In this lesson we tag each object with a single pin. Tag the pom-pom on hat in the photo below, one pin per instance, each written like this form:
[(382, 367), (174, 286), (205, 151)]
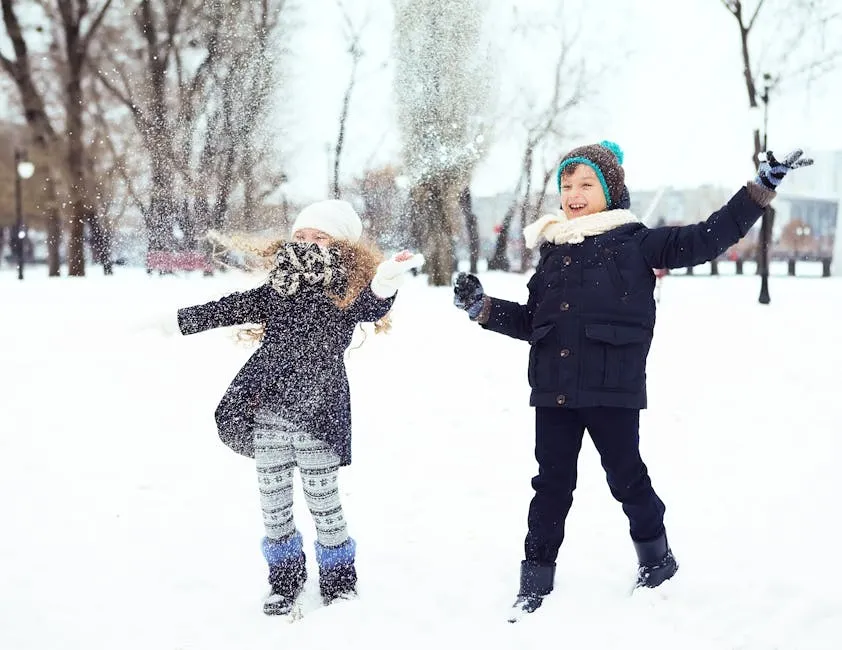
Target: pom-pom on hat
[(333, 217), (606, 159)]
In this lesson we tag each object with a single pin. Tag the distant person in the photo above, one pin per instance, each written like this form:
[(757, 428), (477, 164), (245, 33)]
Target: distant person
[(589, 320), (290, 405)]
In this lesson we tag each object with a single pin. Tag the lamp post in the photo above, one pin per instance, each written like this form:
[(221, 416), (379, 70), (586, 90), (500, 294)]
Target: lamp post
[(23, 170), (768, 211)]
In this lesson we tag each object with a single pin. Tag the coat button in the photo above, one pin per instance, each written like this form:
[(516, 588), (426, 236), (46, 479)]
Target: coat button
[(565, 306), (561, 399), (567, 260), (564, 353)]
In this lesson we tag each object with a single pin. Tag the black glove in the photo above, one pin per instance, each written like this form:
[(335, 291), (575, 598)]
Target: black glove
[(468, 294), (771, 172)]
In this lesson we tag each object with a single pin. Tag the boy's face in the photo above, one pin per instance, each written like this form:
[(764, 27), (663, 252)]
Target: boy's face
[(581, 192)]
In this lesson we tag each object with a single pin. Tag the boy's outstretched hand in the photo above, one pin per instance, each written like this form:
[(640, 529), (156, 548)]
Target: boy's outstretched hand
[(771, 172), (468, 294)]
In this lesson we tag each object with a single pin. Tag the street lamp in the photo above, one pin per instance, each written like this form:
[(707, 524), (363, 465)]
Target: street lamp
[(766, 221), (23, 170)]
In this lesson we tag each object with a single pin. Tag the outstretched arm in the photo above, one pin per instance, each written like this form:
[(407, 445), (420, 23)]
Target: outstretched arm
[(495, 314), (377, 299), (369, 308), (690, 245), (673, 247), (234, 309)]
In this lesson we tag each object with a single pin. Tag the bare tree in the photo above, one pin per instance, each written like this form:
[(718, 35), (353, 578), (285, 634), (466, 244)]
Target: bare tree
[(44, 136), (442, 87), (73, 41), (140, 75), (472, 227), (543, 122), (795, 52), (378, 189), (197, 79), (353, 36)]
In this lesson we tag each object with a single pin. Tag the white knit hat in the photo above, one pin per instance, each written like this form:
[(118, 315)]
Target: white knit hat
[(333, 217)]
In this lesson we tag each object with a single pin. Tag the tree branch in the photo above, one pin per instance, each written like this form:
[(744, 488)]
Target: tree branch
[(16, 36), (755, 14), (86, 40)]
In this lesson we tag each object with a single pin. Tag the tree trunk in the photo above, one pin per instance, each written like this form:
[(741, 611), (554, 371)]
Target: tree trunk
[(53, 229), (431, 198), (500, 260), (100, 243), (466, 205), (249, 190), (525, 253)]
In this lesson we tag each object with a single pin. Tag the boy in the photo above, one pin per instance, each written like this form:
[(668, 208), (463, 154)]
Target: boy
[(589, 320)]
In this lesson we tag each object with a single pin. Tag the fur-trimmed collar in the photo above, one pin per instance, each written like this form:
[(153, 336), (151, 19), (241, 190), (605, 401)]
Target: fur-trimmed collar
[(558, 229)]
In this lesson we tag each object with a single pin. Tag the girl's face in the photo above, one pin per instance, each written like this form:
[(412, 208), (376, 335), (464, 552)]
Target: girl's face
[(581, 192), (312, 236)]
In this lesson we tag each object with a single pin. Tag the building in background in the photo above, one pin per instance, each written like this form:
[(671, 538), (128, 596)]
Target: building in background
[(809, 212)]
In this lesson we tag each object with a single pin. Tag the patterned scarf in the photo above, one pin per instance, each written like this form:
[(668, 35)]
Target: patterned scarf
[(558, 229), (300, 265)]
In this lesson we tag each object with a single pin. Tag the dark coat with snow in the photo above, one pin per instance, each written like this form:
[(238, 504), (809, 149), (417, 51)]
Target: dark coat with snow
[(590, 314), (299, 368)]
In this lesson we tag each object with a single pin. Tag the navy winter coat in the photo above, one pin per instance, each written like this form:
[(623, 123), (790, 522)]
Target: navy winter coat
[(591, 312), (299, 368)]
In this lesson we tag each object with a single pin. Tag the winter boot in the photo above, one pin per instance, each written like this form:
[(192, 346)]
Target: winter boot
[(656, 563), (536, 581), (337, 575), (287, 573)]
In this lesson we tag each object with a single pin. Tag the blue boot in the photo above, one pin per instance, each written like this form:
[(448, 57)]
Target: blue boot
[(287, 573), (337, 574), (656, 563)]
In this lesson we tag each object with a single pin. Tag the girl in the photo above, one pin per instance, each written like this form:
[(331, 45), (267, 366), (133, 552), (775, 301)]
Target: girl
[(290, 405), (589, 320)]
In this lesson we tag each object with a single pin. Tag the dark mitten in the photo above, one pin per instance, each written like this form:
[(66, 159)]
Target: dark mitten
[(771, 172), (468, 294)]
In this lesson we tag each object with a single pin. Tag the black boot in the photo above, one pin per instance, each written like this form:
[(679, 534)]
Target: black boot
[(337, 574), (656, 563), (337, 582), (536, 581), (286, 581)]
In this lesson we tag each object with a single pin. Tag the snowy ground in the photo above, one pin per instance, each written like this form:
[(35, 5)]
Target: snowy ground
[(126, 524)]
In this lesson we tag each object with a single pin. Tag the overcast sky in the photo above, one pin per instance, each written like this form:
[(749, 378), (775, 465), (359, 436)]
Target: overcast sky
[(676, 100)]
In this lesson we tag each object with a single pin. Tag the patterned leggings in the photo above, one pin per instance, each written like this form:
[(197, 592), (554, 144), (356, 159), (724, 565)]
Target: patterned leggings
[(278, 448)]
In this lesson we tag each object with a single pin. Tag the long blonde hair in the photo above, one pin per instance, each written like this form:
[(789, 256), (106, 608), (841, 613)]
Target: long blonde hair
[(360, 260)]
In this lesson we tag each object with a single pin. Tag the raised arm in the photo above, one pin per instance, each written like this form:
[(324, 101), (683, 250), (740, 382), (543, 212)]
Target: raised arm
[(377, 299), (672, 247), (690, 245), (234, 309)]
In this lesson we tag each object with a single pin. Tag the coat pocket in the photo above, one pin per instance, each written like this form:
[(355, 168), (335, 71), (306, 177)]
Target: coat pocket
[(614, 356), (538, 361)]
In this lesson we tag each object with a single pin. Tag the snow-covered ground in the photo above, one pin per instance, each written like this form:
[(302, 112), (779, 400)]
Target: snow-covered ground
[(127, 524)]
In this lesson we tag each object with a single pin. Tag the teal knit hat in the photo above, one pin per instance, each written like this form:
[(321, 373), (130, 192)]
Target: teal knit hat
[(606, 159)]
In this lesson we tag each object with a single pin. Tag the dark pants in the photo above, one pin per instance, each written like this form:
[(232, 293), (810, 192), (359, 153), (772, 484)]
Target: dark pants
[(558, 439)]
